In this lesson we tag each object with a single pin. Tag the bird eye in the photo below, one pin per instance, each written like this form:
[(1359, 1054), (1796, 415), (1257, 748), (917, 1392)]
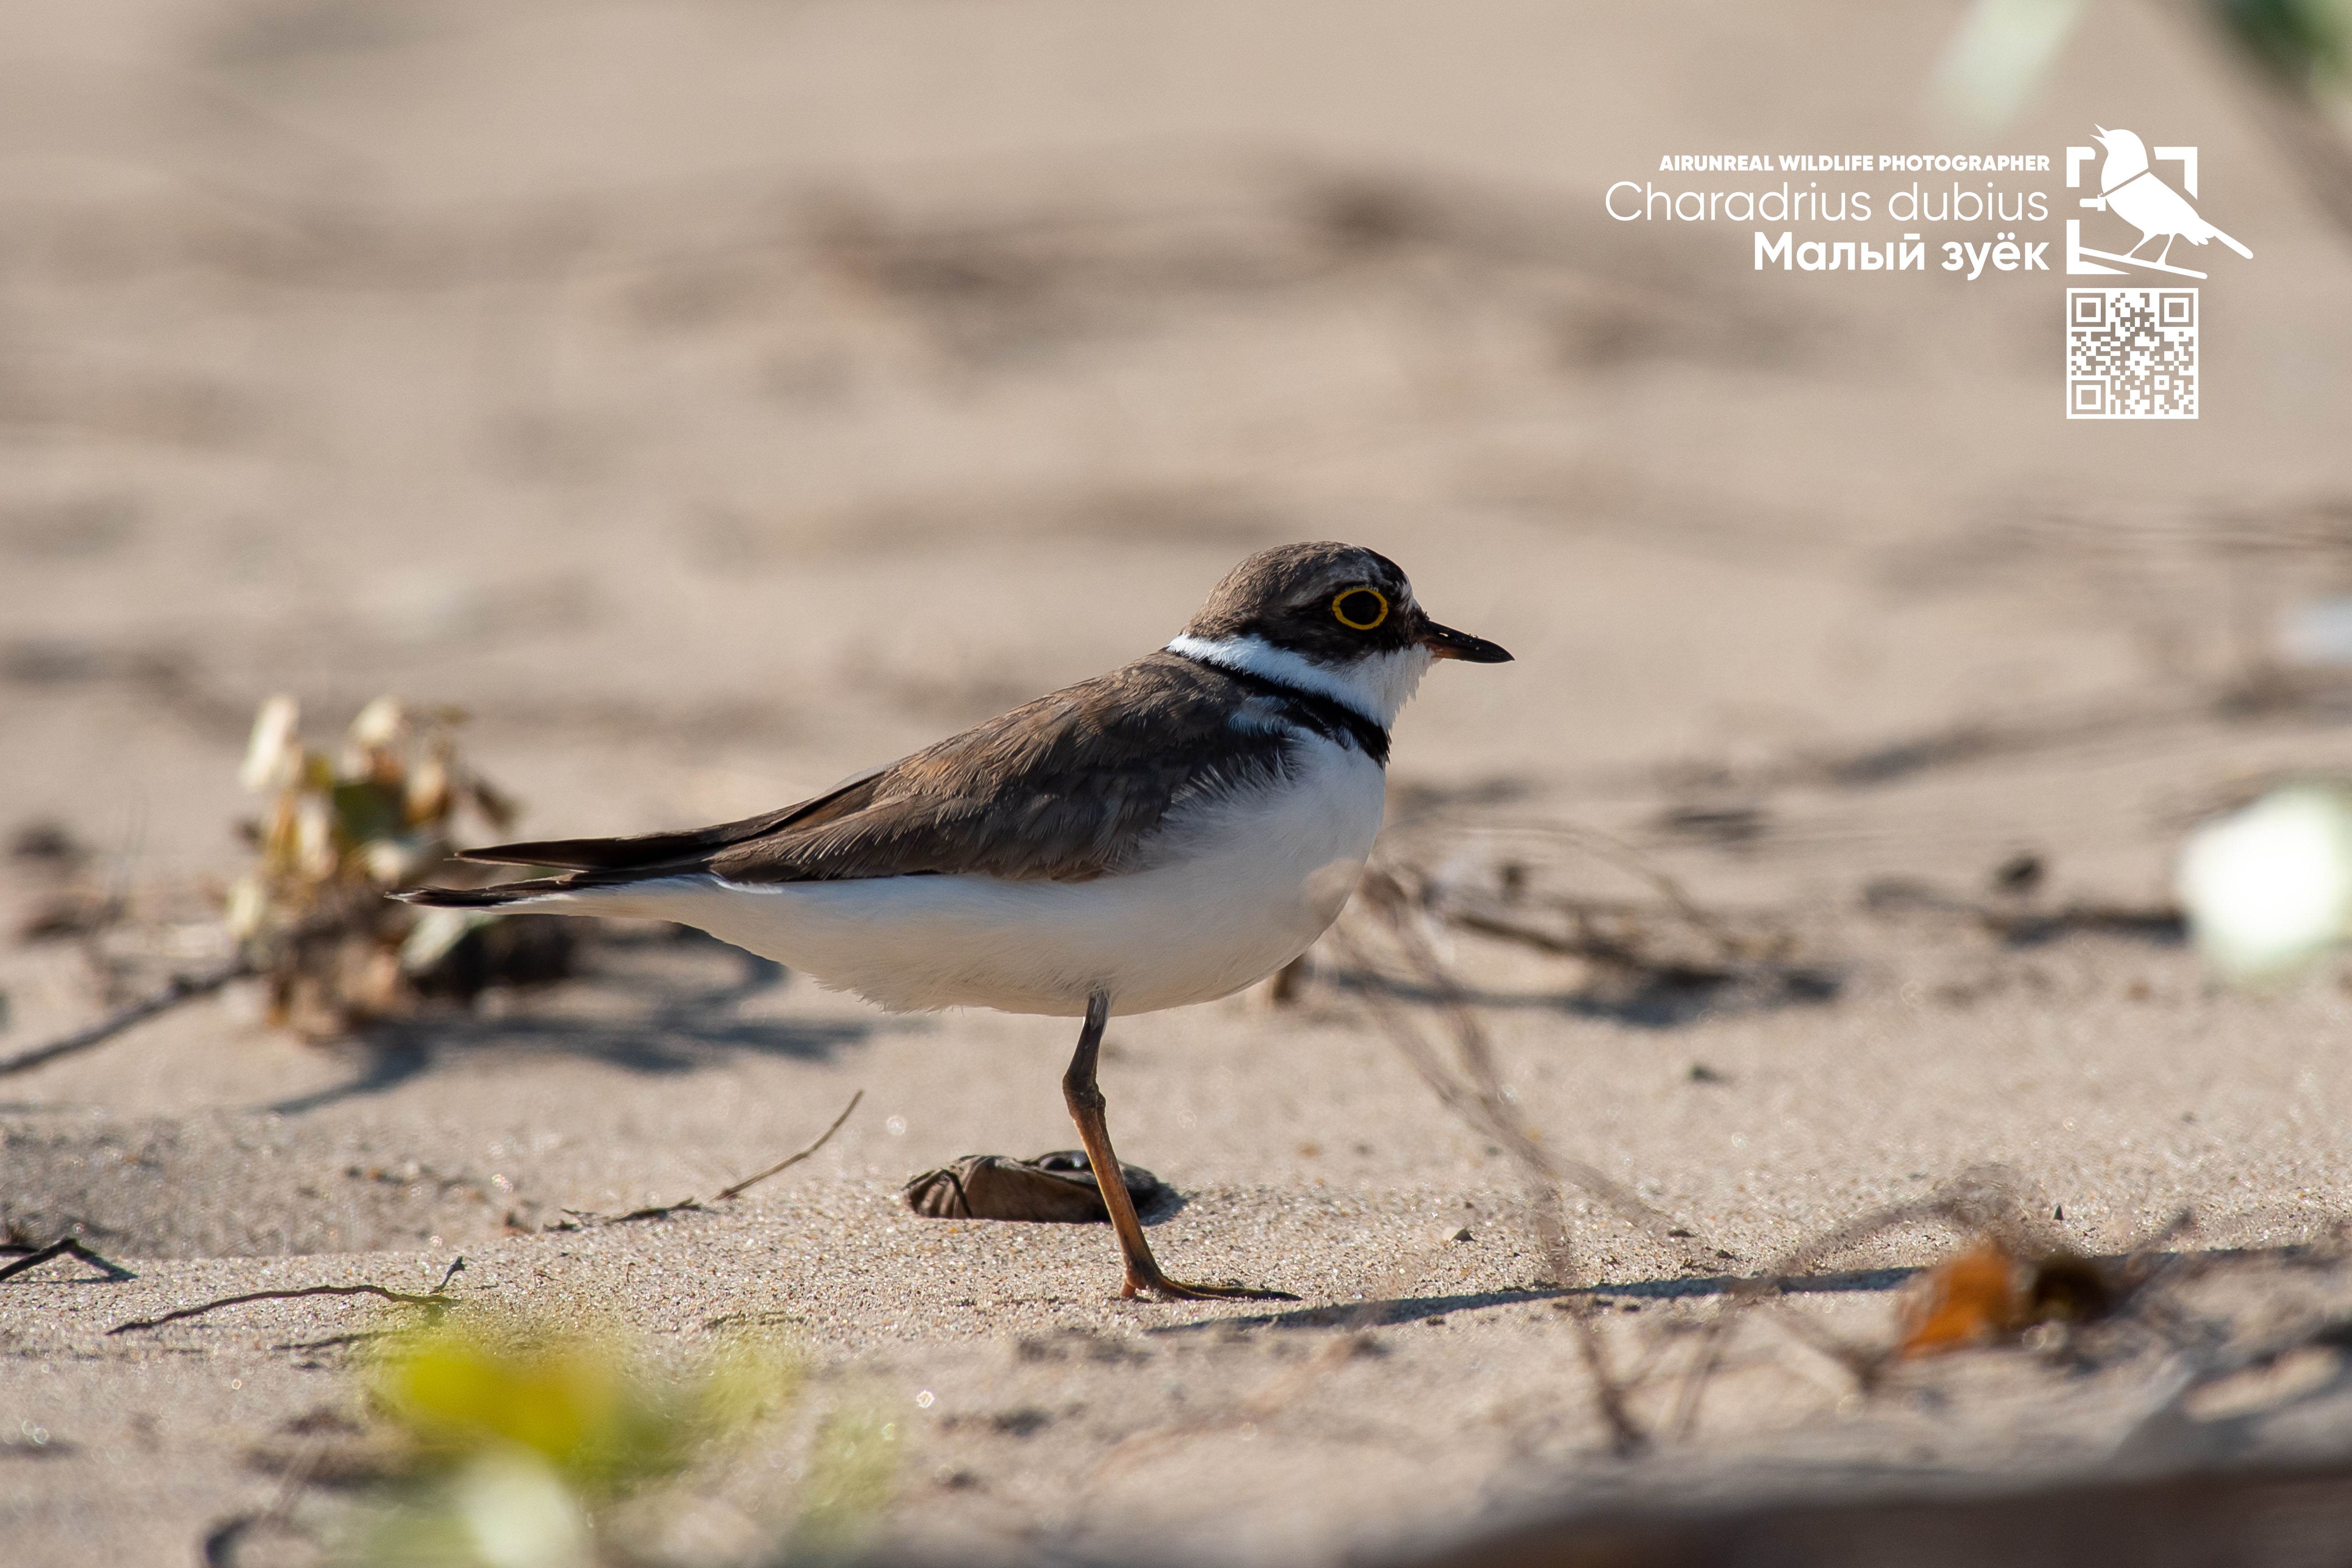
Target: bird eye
[(1360, 609)]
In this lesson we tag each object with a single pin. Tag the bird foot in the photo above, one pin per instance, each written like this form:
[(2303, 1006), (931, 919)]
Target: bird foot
[(1169, 1289)]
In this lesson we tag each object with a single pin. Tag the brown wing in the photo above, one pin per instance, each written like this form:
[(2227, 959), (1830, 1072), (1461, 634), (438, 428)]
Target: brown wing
[(1065, 789)]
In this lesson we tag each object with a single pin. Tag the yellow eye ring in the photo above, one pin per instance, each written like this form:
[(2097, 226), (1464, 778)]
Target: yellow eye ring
[(1339, 612)]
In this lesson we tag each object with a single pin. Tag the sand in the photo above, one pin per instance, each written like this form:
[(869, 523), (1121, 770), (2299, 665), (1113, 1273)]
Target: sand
[(717, 399)]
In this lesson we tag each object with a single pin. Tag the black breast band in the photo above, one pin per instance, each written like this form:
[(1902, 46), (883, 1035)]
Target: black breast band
[(1328, 717)]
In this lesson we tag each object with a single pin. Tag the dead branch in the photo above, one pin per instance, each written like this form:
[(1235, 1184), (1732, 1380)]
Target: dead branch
[(403, 1298), (581, 1218), (786, 1164), (2024, 924), (1472, 1087), (69, 1247), (651, 1211), (1474, 1092), (1989, 1203), (1980, 1200), (1617, 935), (1610, 850), (1590, 942), (1990, 1200)]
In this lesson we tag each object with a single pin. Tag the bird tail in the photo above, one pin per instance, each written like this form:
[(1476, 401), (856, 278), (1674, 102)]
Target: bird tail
[(2231, 243), (537, 889)]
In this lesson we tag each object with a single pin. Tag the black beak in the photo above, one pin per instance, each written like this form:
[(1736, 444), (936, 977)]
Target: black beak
[(1444, 642)]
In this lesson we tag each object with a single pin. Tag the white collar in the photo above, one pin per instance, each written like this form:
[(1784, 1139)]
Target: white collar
[(1375, 686)]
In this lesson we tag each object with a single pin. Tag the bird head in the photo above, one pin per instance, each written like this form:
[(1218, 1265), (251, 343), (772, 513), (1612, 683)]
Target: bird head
[(1336, 618)]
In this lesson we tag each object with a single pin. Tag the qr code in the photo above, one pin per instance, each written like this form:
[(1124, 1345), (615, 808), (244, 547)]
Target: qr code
[(2131, 353)]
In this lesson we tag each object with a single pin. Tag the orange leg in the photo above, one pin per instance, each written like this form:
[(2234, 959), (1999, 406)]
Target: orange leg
[(1085, 1097)]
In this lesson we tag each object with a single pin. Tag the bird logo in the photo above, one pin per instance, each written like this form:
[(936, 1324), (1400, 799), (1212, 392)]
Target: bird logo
[(2131, 189)]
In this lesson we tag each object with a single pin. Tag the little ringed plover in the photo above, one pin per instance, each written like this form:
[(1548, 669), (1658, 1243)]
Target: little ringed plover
[(1165, 834)]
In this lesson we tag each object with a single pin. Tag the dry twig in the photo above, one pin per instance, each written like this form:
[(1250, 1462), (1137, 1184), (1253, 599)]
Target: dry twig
[(2018, 1271), (403, 1298), (1981, 1200), (1471, 1086), (1611, 850), (69, 1247), (1714, 951), (787, 1164), (582, 1218)]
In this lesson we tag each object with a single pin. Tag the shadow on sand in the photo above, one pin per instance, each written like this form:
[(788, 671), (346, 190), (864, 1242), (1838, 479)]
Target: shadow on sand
[(1844, 1282), (679, 1028)]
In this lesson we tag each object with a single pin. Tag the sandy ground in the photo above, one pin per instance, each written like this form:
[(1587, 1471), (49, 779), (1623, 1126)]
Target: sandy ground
[(715, 399)]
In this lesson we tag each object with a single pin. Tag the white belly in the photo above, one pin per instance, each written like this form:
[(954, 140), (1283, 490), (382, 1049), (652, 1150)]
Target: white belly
[(1239, 890)]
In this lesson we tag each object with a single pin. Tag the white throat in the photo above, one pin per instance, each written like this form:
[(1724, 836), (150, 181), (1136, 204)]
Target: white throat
[(1376, 685)]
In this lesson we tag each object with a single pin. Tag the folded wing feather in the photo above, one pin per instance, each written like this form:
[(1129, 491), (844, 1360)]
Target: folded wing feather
[(1066, 788)]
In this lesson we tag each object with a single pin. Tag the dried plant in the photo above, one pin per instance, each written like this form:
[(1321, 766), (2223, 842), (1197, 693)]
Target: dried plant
[(1990, 1295), (2014, 1274), (342, 831), (1387, 933), (1660, 958)]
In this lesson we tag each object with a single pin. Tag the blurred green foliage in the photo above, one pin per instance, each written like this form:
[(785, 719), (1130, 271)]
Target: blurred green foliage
[(515, 1439), (2306, 42), (2002, 49), (851, 1474)]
